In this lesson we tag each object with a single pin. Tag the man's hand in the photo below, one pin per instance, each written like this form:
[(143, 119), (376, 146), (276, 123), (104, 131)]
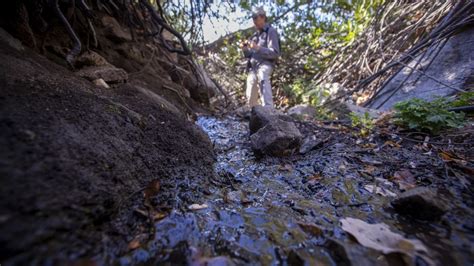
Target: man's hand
[(255, 46), (244, 44)]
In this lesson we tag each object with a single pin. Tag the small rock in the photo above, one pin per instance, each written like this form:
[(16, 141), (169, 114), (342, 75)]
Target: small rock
[(114, 31), (302, 111), (277, 138), (309, 143), (262, 115), (101, 83), (421, 203), (109, 74), (196, 207)]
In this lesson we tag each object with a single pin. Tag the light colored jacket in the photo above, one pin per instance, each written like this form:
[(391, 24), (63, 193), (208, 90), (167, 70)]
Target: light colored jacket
[(269, 51)]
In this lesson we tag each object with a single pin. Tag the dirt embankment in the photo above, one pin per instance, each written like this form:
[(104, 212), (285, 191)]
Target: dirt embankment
[(74, 159)]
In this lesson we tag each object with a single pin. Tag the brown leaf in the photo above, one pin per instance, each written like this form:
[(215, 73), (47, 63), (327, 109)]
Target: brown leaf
[(449, 156), (159, 216), (456, 161), (152, 189), (405, 179), (369, 169), (445, 156), (381, 238), (391, 144), (312, 180)]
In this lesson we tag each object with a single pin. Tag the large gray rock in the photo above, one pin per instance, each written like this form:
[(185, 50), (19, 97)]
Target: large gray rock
[(454, 66), (262, 115), (114, 31), (276, 138), (421, 203), (109, 74)]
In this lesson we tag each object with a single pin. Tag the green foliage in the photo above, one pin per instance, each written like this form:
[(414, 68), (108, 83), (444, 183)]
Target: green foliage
[(323, 113), (464, 99), (312, 39), (231, 54), (312, 33), (301, 91), (427, 116), (364, 122)]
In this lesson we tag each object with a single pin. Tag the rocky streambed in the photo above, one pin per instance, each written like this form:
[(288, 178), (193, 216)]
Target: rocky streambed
[(333, 205)]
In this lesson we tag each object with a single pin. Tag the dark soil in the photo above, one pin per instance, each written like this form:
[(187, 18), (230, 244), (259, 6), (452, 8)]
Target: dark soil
[(74, 160)]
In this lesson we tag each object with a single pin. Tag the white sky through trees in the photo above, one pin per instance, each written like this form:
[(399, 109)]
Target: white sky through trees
[(236, 19)]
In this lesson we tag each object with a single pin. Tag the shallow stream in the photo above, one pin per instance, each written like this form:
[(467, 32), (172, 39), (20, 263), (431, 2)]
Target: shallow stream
[(287, 211)]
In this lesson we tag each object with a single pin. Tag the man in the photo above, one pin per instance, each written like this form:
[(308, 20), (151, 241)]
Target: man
[(262, 50)]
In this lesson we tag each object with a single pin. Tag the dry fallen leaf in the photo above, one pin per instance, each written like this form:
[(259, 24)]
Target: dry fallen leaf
[(405, 179), (159, 216), (369, 169), (392, 143), (152, 189), (379, 237), (314, 179), (449, 156)]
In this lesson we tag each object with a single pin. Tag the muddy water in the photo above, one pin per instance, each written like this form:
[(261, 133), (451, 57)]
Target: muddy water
[(285, 211)]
